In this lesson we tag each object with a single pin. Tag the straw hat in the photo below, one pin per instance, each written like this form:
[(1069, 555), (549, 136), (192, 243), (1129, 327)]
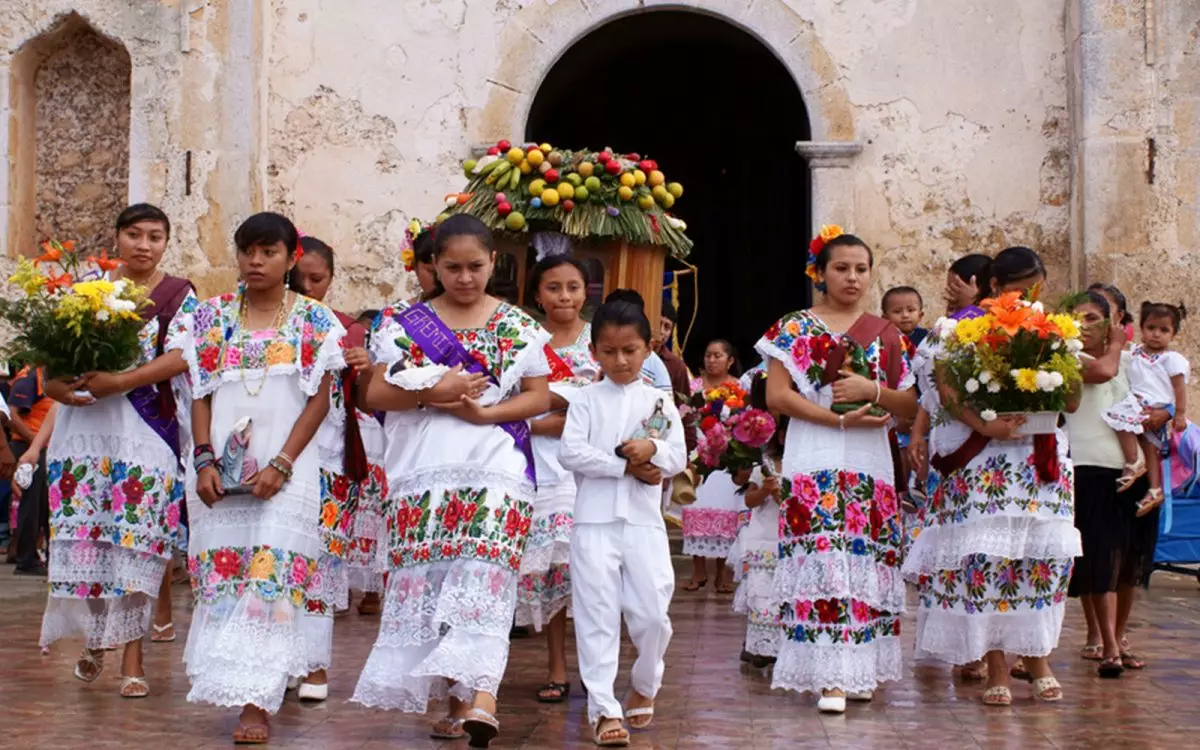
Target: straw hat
[(683, 487)]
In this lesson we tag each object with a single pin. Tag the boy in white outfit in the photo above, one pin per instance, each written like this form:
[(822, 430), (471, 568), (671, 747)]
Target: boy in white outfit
[(622, 439)]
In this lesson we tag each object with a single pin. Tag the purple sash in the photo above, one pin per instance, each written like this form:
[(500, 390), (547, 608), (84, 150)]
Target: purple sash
[(155, 404), (148, 405), (441, 346), (967, 313)]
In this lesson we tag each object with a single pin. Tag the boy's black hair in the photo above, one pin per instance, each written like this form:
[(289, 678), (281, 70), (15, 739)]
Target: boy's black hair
[(620, 313), (901, 290), (632, 296)]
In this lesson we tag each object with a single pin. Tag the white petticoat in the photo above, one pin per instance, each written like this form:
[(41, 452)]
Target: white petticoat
[(544, 584)]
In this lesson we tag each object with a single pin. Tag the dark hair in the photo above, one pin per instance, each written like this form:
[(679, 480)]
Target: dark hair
[(1116, 294), (1163, 310), (1016, 264), (844, 240), (317, 248), (898, 290), (549, 263), (735, 367), (620, 313), (140, 212), (368, 314), (1091, 297), (423, 247), (670, 313), (632, 296), (975, 266), (458, 225), (267, 228)]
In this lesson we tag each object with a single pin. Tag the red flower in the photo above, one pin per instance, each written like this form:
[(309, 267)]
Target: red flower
[(312, 605), (469, 512), (414, 516), (96, 590), (226, 563), (889, 559), (95, 532), (451, 517), (772, 332), (876, 522), (708, 423), (134, 491), (67, 484), (820, 346), (480, 358), (512, 523), (896, 627), (209, 356), (447, 548), (341, 487), (799, 518), (481, 549), (526, 524), (418, 356), (827, 610), (307, 354)]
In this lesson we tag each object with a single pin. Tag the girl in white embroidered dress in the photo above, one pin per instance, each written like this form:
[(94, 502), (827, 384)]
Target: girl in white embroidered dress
[(269, 355), (710, 524), (114, 486), (544, 590), (461, 498)]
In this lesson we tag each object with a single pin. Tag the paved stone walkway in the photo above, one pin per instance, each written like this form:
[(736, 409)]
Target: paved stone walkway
[(709, 699)]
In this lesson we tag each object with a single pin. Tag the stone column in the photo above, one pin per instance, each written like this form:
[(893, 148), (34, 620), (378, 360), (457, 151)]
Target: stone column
[(832, 180)]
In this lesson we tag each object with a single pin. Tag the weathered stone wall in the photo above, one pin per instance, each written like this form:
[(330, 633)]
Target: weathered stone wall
[(82, 123)]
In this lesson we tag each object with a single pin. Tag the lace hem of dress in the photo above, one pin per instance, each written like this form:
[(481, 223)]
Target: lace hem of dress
[(956, 637), (1020, 537), (707, 546), (834, 575), (763, 640), (103, 623), (364, 578), (94, 569), (417, 378), (755, 593), (330, 585), (242, 651), (537, 614), (855, 668), (537, 560)]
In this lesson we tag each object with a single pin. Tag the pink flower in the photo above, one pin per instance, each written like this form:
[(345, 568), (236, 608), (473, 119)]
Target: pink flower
[(803, 610), (173, 516), (55, 498), (856, 520), (299, 571), (81, 532), (862, 612), (81, 590), (801, 355), (885, 499), (754, 427), (233, 356), (822, 544), (804, 487)]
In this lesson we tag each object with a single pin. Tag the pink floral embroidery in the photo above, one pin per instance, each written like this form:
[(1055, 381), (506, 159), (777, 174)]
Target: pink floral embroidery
[(710, 522)]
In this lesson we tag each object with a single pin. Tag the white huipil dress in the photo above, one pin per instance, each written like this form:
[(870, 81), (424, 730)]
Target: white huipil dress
[(460, 508), (115, 493), (366, 562), (837, 579), (710, 524), (753, 557), (254, 563), (544, 588)]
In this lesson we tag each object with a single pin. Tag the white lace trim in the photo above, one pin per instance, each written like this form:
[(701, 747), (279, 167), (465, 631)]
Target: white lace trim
[(417, 378), (707, 546), (144, 449), (448, 620), (530, 363), (835, 575), (455, 476), (103, 623), (755, 593), (333, 587), (763, 640), (76, 562), (1008, 537), (242, 651), (364, 579), (829, 666), (768, 350), (537, 614), (955, 637)]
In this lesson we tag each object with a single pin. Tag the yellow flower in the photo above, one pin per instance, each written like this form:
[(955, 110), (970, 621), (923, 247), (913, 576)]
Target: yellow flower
[(94, 290), (406, 257), (297, 598), (971, 330), (105, 466), (1002, 605), (28, 277), (127, 539), (793, 328), (280, 353), (831, 231), (1066, 323), (262, 566), (1026, 379), (829, 501)]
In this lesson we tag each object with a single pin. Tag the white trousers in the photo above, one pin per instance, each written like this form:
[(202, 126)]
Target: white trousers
[(620, 569)]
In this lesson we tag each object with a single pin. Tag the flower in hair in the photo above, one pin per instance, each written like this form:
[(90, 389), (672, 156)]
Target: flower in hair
[(299, 248), (828, 233)]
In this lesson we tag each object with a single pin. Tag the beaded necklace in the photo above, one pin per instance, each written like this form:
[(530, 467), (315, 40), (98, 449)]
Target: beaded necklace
[(244, 337)]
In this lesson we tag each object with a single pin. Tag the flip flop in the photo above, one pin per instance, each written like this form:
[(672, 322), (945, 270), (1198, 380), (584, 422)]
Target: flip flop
[(88, 658), (481, 727), (997, 696), (1129, 661), (453, 729), (156, 636), (1020, 672), (1111, 668), (143, 687), (241, 735), (1041, 685), (1092, 652), (562, 690)]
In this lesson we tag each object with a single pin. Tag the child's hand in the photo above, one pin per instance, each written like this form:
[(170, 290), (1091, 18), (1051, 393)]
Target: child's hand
[(357, 358), (644, 473), (771, 484), (1180, 422), (638, 451)]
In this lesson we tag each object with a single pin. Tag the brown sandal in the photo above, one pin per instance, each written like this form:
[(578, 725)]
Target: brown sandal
[(370, 606), (252, 734), (694, 585)]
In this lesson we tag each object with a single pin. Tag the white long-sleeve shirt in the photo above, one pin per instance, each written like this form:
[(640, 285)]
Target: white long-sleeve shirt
[(602, 416)]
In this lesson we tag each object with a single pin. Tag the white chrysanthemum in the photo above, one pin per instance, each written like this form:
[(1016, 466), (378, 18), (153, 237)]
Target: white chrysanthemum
[(1056, 379), (985, 377), (102, 315), (993, 387), (972, 385), (1037, 307), (1043, 381), (987, 415), (1074, 346)]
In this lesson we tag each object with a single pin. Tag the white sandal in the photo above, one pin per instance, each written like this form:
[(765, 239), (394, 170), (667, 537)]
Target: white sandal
[(618, 741), (642, 711), (481, 727), (159, 630), (997, 696), (832, 704), (1043, 684), (1147, 504), (1130, 473), (140, 682), (90, 659)]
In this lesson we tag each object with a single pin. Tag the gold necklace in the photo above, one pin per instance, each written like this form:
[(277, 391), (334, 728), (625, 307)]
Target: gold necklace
[(244, 337)]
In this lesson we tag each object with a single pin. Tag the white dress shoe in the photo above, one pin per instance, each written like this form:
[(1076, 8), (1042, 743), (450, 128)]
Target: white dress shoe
[(310, 692), (832, 704)]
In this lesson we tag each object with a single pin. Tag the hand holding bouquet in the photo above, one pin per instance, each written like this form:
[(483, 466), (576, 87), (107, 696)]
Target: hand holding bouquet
[(69, 319), (1016, 358), (731, 435)]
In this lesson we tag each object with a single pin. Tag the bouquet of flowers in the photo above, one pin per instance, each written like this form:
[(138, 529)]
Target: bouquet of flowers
[(731, 434), (1016, 358), (69, 318)]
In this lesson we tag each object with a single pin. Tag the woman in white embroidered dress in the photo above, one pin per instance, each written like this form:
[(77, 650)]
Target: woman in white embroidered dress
[(995, 557), (837, 579), (267, 355), (710, 525), (544, 589), (460, 485), (114, 480)]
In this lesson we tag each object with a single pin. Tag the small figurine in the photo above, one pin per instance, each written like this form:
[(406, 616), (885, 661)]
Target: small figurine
[(655, 427), (237, 466)]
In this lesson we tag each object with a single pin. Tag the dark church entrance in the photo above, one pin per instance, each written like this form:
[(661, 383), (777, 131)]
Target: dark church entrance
[(721, 115)]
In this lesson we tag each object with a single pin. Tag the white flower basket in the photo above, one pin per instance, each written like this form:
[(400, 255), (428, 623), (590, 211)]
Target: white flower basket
[(1036, 422)]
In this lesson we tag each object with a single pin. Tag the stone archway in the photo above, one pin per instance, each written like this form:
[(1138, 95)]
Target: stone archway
[(69, 155)]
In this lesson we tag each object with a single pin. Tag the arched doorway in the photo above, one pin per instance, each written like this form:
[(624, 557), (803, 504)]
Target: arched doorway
[(722, 115)]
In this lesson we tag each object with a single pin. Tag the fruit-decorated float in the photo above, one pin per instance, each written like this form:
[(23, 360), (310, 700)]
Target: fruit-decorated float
[(608, 209)]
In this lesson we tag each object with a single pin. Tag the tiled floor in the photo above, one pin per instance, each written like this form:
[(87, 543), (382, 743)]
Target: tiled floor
[(708, 700)]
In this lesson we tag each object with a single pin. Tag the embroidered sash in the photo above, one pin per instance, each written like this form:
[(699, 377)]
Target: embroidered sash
[(155, 404), (442, 347)]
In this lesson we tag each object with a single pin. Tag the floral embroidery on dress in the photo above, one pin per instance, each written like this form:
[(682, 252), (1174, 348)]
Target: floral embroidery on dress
[(840, 511), (1000, 486), (339, 503), (807, 342), (836, 621), (222, 352), (986, 584), (269, 573), (461, 525)]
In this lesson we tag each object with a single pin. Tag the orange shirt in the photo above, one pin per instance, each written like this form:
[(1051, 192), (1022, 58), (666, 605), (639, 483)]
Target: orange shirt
[(34, 417)]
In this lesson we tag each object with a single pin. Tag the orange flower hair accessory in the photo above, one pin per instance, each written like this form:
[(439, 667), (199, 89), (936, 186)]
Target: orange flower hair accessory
[(299, 248), (828, 233)]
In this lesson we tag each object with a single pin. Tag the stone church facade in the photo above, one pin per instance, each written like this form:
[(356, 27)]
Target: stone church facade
[(936, 128)]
